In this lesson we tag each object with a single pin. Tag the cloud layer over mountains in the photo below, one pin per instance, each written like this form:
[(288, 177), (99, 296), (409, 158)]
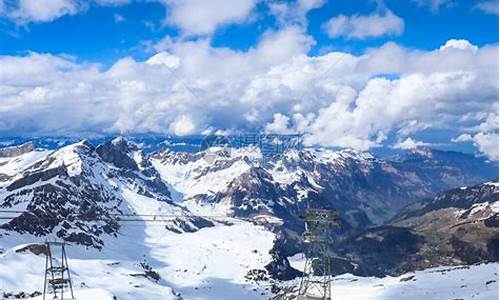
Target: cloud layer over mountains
[(382, 97), (336, 99)]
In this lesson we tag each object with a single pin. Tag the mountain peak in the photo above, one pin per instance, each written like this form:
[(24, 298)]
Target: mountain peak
[(119, 152), (124, 144)]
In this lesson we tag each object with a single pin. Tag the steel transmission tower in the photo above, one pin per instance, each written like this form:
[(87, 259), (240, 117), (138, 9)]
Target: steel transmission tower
[(316, 281), (57, 274)]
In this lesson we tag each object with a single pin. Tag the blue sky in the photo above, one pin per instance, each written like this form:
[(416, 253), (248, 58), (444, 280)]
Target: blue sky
[(95, 34), (360, 74)]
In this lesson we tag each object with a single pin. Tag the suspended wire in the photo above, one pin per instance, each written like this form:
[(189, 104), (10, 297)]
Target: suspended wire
[(116, 217)]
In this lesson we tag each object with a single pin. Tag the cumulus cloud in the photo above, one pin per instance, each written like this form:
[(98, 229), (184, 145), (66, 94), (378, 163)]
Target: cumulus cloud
[(192, 17), (280, 125), (200, 17), (465, 137), (26, 11), (335, 99), (183, 125), (365, 26), (37, 11), (484, 135), (410, 143), (458, 44), (165, 59), (293, 12), (486, 142)]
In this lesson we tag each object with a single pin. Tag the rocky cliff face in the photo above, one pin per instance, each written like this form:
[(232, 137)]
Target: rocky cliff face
[(80, 193), (63, 193)]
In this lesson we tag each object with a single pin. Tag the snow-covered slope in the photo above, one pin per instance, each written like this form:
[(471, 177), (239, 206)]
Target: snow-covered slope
[(85, 195), (200, 173), (208, 264), (204, 223), (460, 282), (80, 193), (205, 275)]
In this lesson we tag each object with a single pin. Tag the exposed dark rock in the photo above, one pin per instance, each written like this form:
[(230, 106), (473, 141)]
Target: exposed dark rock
[(279, 268), (188, 224), (32, 178), (36, 249), (117, 153), (381, 251), (492, 221), (257, 275)]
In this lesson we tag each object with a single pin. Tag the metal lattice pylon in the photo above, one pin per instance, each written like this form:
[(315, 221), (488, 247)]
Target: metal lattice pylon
[(57, 274), (316, 281)]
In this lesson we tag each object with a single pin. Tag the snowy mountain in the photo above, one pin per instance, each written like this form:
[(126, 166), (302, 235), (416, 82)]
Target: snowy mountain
[(367, 190), (79, 192), (460, 282), (206, 223)]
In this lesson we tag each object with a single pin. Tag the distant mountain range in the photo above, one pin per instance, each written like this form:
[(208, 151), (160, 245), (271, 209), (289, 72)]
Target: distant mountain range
[(396, 212)]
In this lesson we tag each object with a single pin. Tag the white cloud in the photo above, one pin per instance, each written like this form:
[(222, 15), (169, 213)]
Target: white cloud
[(37, 11), (487, 144), (365, 26), (465, 137), (412, 126), (484, 133), (164, 59), (293, 12), (410, 143), (383, 105), (336, 99), (488, 6), (201, 17), (184, 125), (488, 123), (279, 125), (26, 11), (458, 44)]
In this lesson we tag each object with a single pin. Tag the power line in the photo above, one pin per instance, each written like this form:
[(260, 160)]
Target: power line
[(115, 217)]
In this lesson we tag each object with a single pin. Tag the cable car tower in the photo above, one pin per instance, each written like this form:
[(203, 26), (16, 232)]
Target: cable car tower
[(316, 281), (57, 274)]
